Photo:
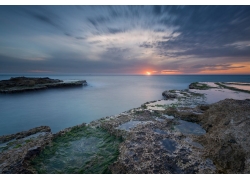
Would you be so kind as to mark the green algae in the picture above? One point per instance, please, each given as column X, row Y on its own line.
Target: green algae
column 200, row 86
column 81, row 150
column 18, row 146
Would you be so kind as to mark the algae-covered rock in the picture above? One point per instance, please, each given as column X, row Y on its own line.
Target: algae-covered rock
column 80, row 149
column 198, row 85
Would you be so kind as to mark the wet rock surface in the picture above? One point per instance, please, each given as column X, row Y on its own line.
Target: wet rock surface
column 155, row 146
column 22, row 84
column 80, row 149
column 17, row 150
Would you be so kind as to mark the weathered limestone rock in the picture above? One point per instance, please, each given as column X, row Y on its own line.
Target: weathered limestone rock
column 227, row 141
column 24, row 134
column 17, row 149
column 155, row 147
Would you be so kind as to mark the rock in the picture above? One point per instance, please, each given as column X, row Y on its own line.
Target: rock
column 22, row 84
column 200, row 86
column 203, row 107
column 187, row 114
column 33, row 152
column 24, row 134
column 192, row 86
column 169, row 95
column 147, row 151
column 228, row 135
column 20, row 148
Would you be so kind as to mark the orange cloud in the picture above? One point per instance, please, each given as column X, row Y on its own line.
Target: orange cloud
column 236, row 68
column 170, row 72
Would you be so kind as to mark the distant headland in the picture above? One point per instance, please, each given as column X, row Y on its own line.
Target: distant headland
column 23, row 84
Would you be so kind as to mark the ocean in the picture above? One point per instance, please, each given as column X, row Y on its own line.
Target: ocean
column 103, row 96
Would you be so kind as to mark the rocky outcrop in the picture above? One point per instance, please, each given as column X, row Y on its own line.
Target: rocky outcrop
column 155, row 147
column 22, row 84
column 200, row 86
column 18, row 149
column 227, row 141
column 169, row 95
column 24, row 134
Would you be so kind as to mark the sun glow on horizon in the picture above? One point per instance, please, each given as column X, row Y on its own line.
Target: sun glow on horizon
column 148, row 73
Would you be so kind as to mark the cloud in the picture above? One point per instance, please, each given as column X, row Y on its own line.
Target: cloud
column 45, row 19
column 80, row 38
column 68, row 34
column 40, row 71
column 115, row 54
column 115, row 30
column 169, row 71
column 206, row 31
column 215, row 67
column 168, row 39
column 146, row 45
column 95, row 42
column 44, row 16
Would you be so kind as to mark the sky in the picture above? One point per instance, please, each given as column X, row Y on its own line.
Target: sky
column 125, row 39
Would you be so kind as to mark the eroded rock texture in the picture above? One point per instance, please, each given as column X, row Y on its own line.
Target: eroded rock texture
column 17, row 149
column 227, row 141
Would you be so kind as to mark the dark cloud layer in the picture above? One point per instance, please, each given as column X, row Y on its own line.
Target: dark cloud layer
column 125, row 39
column 206, row 30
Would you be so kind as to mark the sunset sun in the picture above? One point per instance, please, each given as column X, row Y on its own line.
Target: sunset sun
column 148, row 73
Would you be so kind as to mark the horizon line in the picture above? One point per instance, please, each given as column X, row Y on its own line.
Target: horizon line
column 122, row 74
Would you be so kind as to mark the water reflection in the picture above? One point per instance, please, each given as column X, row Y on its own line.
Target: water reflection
column 189, row 128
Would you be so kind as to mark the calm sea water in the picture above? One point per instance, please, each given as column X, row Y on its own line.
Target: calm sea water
column 104, row 96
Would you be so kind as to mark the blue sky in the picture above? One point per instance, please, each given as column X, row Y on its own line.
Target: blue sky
column 125, row 39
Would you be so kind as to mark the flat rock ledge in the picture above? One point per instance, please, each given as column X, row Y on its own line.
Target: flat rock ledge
column 227, row 141
column 17, row 149
column 23, row 84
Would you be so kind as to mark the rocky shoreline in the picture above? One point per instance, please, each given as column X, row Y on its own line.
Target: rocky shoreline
column 180, row 134
column 23, row 84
